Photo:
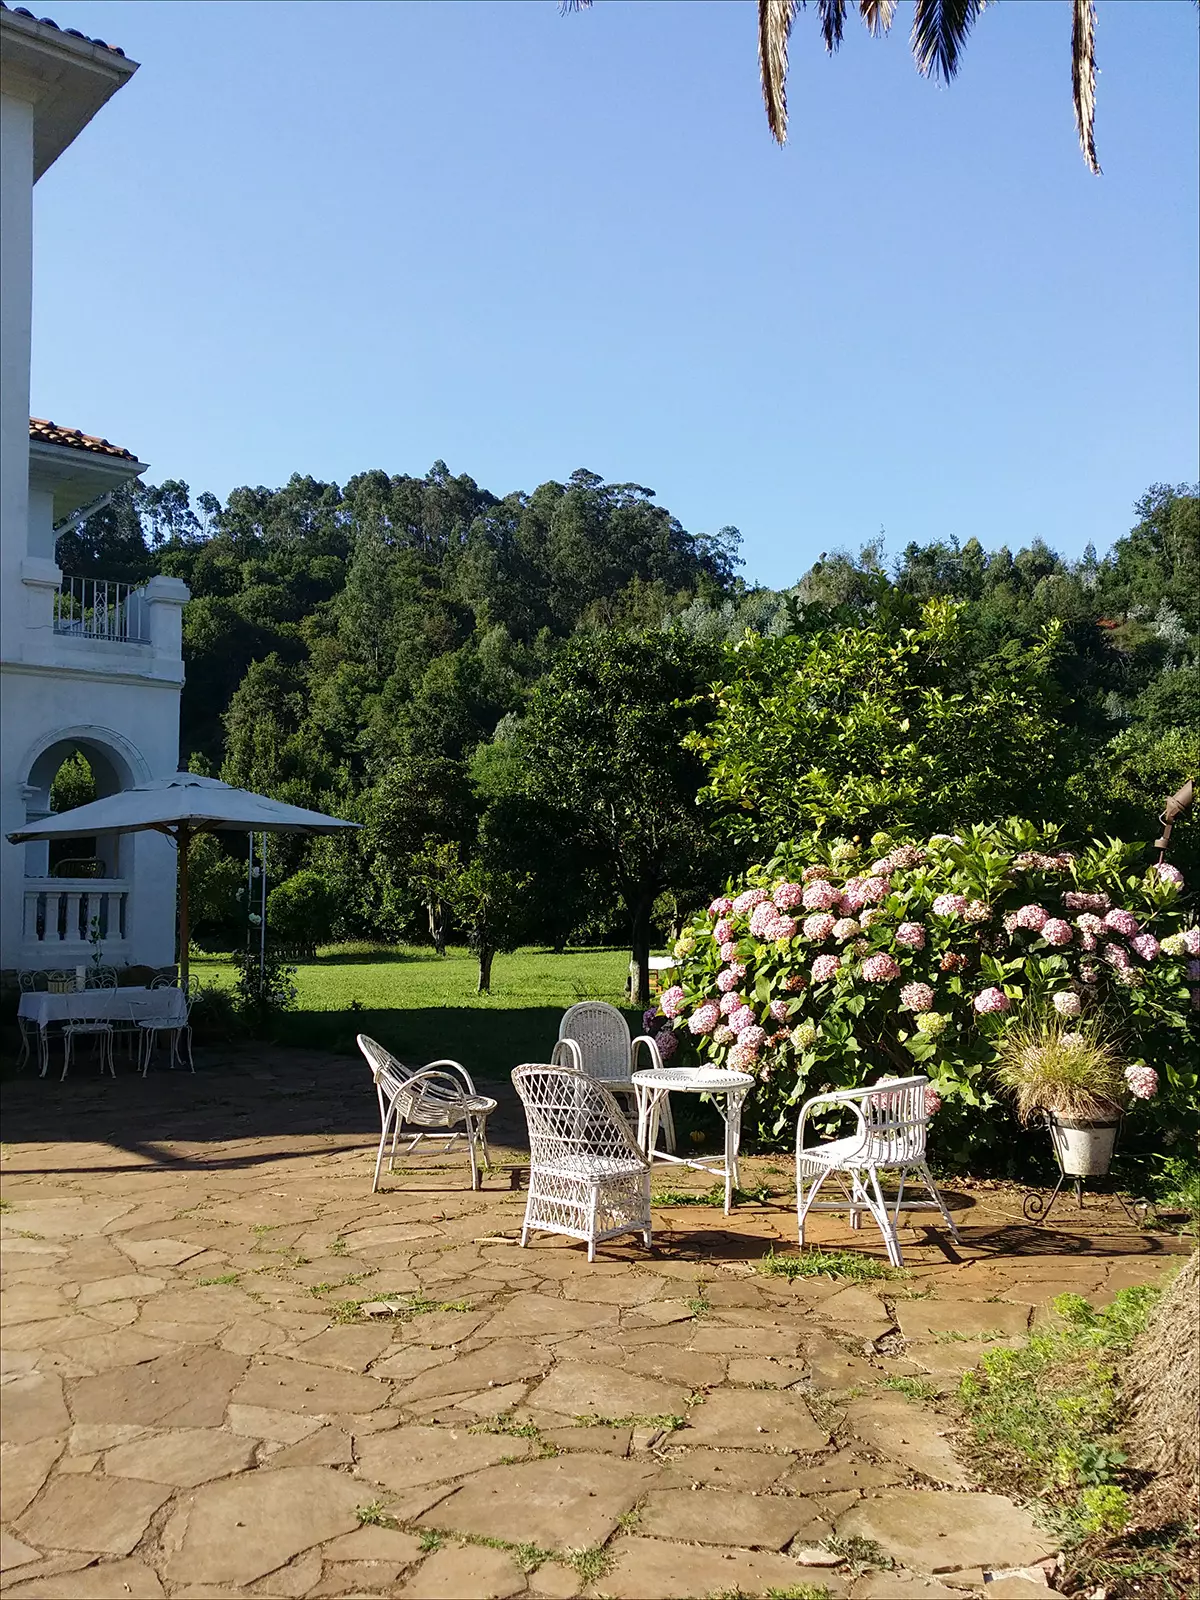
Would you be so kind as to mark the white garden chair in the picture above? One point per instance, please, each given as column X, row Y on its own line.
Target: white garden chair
column 438, row 1101
column 587, row 1177
column 889, row 1137
column 101, row 1032
column 31, row 1034
column 593, row 1038
column 169, row 1025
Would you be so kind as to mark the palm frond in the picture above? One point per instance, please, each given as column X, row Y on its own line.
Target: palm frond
column 1083, row 78
column 833, row 22
column 877, row 14
column 565, row 7
column 939, row 32
column 775, row 18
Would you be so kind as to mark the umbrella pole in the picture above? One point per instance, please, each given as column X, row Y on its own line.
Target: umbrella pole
column 185, row 839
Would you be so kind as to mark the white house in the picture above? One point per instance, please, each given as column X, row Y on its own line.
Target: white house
column 84, row 665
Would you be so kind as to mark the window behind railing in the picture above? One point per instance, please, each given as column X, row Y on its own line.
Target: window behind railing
column 101, row 608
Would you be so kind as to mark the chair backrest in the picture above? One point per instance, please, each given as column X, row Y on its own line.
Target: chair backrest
column 896, row 1118
column 80, row 867
column 602, row 1035
column 164, row 983
column 32, row 982
column 101, row 978
column 573, row 1120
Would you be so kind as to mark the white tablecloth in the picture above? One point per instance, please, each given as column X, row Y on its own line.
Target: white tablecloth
column 103, row 1005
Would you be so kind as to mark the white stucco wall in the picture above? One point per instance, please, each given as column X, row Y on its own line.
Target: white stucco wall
column 16, row 309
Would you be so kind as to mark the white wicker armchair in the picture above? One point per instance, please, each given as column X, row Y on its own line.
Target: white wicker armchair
column 438, row 1101
column 890, row 1137
column 587, row 1177
column 593, row 1037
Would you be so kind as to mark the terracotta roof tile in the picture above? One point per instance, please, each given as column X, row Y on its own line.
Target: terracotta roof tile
column 44, row 432
column 71, row 33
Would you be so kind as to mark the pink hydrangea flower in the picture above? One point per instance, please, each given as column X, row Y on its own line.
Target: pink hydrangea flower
column 917, row 997
column 1142, row 1081
column 667, row 1045
column 882, row 867
column 1191, row 941
column 1166, row 873
column 743, row 1057
column 724, row 930
column 1146, row 945
column 977, row 911
column 1090, row 923
column 949, row 905
column 991, row 1000
column 823, row 968
column 781, row 928
column 1010, row 922
column 933, row 1101
column 794, row 982
column 761, row 918
column 1122, row 922
column 845, row 928
column 724, row 1035
column 728, row 952
column 721, row 907
column 1032, row 917
column 1089, row 973
column 819, row 927
column 728, row 980
column 705, row 1018
column 788, row 896
column 866, row 891
column 1067, row 1003
column 1087, row 941
column 908, row 855
column 754, row 1036
column 880, row 969
column 820, row 895
column 870, row 914
column 911, row 934
column 812, row 874
column 670, row 1002
column 1057, row 932
column 747, row 900
column 779, row 1010
column 731, row 1001
column 1075, row 900
column 743, row 1017
column 1116, row 955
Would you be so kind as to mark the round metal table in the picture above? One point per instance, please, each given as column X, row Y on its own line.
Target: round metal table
column 652, row 1088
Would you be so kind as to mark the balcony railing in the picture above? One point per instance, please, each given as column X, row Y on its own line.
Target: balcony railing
column 68, row 911
column 101, row 608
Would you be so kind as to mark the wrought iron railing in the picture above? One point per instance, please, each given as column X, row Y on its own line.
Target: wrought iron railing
column 101, row 608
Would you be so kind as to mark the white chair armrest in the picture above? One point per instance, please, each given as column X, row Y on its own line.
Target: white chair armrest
column 844, row 1098
column 455, row 1066
column 566, row 1053
column 656, row 1060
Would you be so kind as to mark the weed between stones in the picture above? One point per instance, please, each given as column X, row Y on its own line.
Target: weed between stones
column 860, row 1555
column 225, row 1277
column 666, row 1424
column 827, row 1264
column 912, row 1388
column 375, row 1515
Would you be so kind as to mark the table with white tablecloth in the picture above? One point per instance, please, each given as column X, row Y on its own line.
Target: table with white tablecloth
column 132, row 1006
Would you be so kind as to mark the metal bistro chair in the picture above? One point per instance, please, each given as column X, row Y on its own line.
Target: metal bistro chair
column 593, row 1038
column 31, row 1034
column 101, row 1032
column 438, row 1101
column 890, row 1137
column 587, row 1177
column 169, row 1023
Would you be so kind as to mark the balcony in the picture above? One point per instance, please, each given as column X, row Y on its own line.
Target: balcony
column 60, row 916
column 101, row 608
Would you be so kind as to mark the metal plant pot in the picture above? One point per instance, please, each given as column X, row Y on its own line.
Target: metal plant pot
column 1084, row 1149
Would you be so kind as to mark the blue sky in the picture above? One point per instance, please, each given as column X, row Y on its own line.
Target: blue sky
column 328, row 237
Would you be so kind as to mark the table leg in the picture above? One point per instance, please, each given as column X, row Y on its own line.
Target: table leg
column 643, row 1114
column 733, row 1141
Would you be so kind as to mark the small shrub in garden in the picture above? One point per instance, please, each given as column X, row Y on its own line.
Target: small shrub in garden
column 835, row 961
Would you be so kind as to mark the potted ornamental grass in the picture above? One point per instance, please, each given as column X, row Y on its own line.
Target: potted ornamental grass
column 1072, row 1075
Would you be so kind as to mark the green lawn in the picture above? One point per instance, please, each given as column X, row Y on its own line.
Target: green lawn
column 421, row 1006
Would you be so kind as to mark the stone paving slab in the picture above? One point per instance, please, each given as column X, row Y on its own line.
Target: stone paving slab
column 196, row 1406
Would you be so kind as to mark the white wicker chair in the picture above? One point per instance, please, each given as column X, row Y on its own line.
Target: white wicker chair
column 438, row 1101
column 890, row 1137
column 587, row 1177
column 593, row 1038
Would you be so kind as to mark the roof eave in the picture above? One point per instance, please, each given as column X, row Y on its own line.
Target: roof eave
column 77, row 476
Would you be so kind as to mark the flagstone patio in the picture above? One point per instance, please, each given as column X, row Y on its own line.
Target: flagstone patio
column 230, row 1370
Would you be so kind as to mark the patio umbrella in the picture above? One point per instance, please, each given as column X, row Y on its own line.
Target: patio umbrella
column 181, row 807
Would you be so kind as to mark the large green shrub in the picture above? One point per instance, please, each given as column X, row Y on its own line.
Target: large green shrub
column 835, row 960
column 301, row 910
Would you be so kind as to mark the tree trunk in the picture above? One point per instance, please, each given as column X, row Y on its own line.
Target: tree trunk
column 437, row 926
column 485, row 953
column 640, row 943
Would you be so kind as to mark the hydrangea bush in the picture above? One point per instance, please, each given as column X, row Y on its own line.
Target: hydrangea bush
column 836, row 960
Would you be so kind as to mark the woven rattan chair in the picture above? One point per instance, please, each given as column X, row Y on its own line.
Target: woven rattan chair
column 593, row 1037
column 438, row 1101
column 889, row 1137
column 587, row 1177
